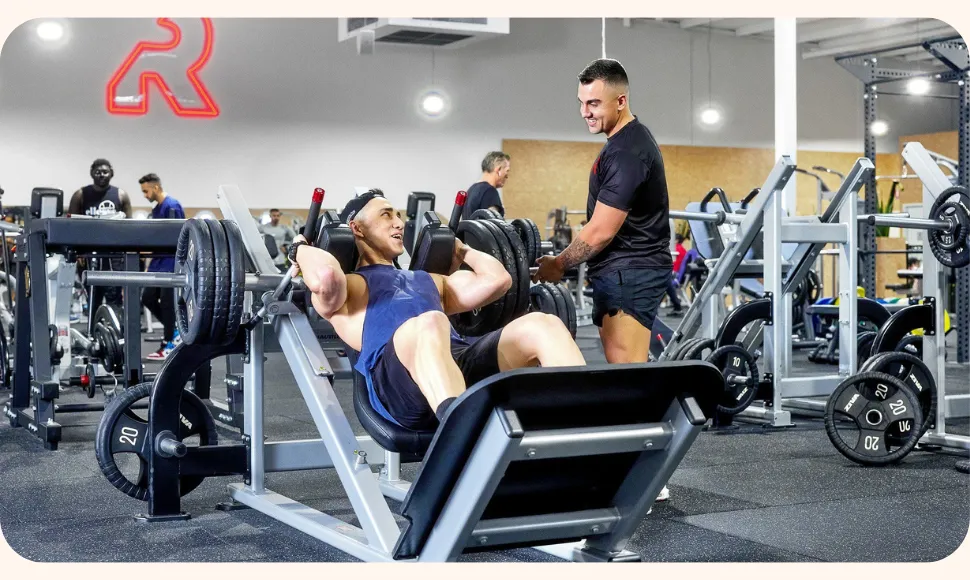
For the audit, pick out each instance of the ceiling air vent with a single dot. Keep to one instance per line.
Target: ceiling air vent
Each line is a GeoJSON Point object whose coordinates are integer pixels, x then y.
{"type": "Point", "coordinates": [437, 32]}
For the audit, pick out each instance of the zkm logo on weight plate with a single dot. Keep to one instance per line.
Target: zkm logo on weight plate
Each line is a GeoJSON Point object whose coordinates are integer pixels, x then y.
{"type": "Point", "coordinates": [172, 66]}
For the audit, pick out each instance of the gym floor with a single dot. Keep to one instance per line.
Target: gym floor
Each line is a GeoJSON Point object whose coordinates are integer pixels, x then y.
{"type": "Point", "coordinates": [749, 495]}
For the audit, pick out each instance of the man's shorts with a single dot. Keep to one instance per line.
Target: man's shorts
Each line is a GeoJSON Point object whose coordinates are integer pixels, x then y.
{"type": "Point", "coordinates": [637, 292]}
{"type": "Point", "coordinates": [402, 397]}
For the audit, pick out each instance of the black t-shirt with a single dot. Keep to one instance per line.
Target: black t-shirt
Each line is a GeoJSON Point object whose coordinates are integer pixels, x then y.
{"type": "Point", "coordinates": [629, 175]}
{"type": "Point", "coordinates": [481, 196]}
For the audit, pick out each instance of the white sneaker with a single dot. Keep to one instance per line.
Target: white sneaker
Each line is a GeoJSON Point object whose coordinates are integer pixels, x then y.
{"type": "Point", "coordinates": [664, 494]}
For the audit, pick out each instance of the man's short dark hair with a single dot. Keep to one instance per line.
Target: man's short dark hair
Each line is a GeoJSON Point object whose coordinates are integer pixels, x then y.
{"type": "Point", "coordinates": [493, 159]}
{"type": "Point", "coordinates": [276, 210]}
{"type": "Point", "coordinates": [608, 70]}
{"type": "Point", "coordinates": [150, 178]}
{"type": "Point", "coordinates": [99, 162]}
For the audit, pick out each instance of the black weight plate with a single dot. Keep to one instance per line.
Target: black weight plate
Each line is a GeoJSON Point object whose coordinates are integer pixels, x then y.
{"type": "Point", "coordinates": [734, 361]}
{"type": "Point", "coordinates": [914, 372]}
{"type": "Point", "coordinates": [528, 241]}
{"type": "Point", "coordinates": [570, 308]}
{"type": "Point", "coordinates": [537, 239]}
{"type": "Point", "coordinates": [486, 214]}
{"type": "Point", "coordinates": [122, 431]}
{"type": "Point", "coordinates": [478, 322]}
{"type": "Point", "coordinates": [911, 343]}
{"type": "Point", "coordinates": [560, 301]}
{"type": "Point", "coordinates": [867, 407]}
{"type": "Point", "coordinates": [864, 345]}
{"type": "Point", "coordinates": [223, 279]}
{"type": "Point", "coordinates": [542, 300]}
{"type": "Point", "coordinates": [193, 258]}
{"type": "Point", "coordinates": [508, 260]}
{"type": "Point", "coordinates": [92, 385]}
{"type": "Point", "coordinates": [237, 284]}
{"type": "Point", "coordinates": [697, 349]}
{"type": "Point", "coordinates": [951, 249]}
{"type": "Point", "coordinates": [110, 316]}
{"type": "Point", "coordinates": [681, 348]}
{"type": "Point", "coordinates": [521, 269]}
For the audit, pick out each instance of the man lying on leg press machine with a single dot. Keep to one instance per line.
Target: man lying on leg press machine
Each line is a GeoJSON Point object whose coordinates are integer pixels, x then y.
{"type": "Point", "coordinates": [414, 362]}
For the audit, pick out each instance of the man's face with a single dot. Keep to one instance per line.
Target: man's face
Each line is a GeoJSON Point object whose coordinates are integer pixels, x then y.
{"type": "Point", "coordinates": [102, 175]}
{"type": "Point", "coordinates": [381, 228]}
{"type": "Point", "coordinates": [600, 105]}
{"type": "Point", "coordinates": [149, 190]}
{"type": "Point", "coordinates": [274, 217]}
{"type": "Point", "coordinates": [503, 173]}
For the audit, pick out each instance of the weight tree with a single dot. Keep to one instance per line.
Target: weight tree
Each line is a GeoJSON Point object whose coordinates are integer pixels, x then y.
{"type": "Point", "coordinates": [875, 70]}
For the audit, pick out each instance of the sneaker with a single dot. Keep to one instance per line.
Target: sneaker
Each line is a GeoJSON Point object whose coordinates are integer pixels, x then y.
{"type": "Point", "coordinates": [162, 353]}
{"type": "Point", "coordinates": [177, 338]}
{"type": "Point", "coordinates": [664, 494]}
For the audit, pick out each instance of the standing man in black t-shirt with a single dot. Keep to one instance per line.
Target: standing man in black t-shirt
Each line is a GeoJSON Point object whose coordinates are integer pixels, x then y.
{"type": "Point", "coordinates": [626, 242]}
{"type": "Point", "coordinates": [484, 194]}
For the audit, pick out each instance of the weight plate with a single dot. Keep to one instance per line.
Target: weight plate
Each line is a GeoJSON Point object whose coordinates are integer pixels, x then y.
{"type": "Point", "coordinates": [486, 214]}
{"type": "Point", "coordinates": [92, 379]}
{"type": "Point", "coordinates": [570, 309]}
{"type": "Point", "coordinates": [865, 415]}
{"type": "Point", "coordinates": [914, 372]}
{"type": "Point", "coordinates": [521, 268]}
{"type": "Point", "coordinates": [193, 258]}
{"type": "Point", "coordinates": [681, 348]}
{"type": "Point", "coordinates": [864, 345]}
{"type": "Point", "coordinates": [123, 432]}
{"type": "Point", "coordinates": [223, 280]}
{"type": "Point", "coordinates": [562, 311]}
{"type": "Point", "coordinates": [108, 315]}
{"type": "Point", "coordinates": [700, 350]}
{"type": "Point", "coordinates": [478, 322]}
{"type": "Point", "coordinates": [237, 284]}
{"type": "Point", "coordinates": [951, 248]}
{"type": "Point", "coordinates": [542, 300]}
{"type": "Point", "coordinates": [911, 343]}
{"type": "Point", "coordinates": [536, 238]}
{"type": "Point", "coordinates": [525, 233]}
{"type": "Point", "coordinates": [508, 260]}
{"type": "Point", "coordinates": [736, 364]}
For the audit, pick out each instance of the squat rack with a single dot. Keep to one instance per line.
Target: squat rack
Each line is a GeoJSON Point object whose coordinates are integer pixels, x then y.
{"type": "Point", "coordinates": [873, 72]}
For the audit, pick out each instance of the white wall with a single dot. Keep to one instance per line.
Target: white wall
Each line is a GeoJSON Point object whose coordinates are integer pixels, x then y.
{"type": "Point", "coordinates": [301, 110]}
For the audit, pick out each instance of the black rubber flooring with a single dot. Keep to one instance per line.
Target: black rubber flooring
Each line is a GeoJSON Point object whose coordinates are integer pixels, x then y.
{"type": "Point", "coordinates": [747, 495]}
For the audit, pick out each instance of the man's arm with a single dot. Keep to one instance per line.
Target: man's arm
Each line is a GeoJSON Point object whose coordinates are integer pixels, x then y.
{"type": "Point", "coordinates": [466, 290]}
{"type": "Point", "coordinates": [75, 207]}
{"type": "Point", "coordinates": [125, 202]}
{"type": "Point", "coordinates": [594, 236]}
{"type": "Point", "coordinates": [324, 278]}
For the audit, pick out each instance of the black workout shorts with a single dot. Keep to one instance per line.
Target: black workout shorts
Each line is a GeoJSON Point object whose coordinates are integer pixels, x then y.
{"type": "Point", "coordinates": [637, 292]}
{"type": "Point", "coordinates": [400, 394]}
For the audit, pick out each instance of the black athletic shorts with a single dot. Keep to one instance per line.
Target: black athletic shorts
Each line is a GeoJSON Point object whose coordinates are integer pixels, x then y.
{"type": "Point", "coordinates": [400, 394]}
{"type": "Point", "coordinates": [637, 292]}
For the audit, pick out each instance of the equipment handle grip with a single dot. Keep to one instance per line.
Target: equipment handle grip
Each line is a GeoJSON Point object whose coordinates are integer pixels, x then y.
{"type": "Point", "coordinates": [456, 211]}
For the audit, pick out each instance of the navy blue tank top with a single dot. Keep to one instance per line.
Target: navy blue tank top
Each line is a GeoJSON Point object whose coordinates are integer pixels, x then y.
{"type": "Point", "coordinates": [100, 203]}
{"type": "Point", "coordinates": [394, 297]}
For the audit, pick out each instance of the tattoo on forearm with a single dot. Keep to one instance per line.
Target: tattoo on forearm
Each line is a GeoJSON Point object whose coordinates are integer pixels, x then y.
{"type": "Point", "coordinates": [577, 253]}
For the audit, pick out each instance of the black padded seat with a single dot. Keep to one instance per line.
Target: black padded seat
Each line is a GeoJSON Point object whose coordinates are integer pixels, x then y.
{"type": "Point", "coordinates": [411, 444]}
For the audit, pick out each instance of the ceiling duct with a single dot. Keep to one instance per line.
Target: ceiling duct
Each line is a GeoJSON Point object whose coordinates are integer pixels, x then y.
{"type": "Point", "coordinates": [437, 32]}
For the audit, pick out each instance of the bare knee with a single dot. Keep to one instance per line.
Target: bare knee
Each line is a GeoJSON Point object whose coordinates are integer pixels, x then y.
{"type": "Point", "coordinates": [540, 322]}
{"type": "Point", "coordinates": [432, 324]}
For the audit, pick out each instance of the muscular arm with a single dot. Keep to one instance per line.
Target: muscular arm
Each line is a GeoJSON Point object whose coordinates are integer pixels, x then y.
{"type": "Point", "coordinates": [125, 202]}
{"type": "Point", "coordinates": [324, 278]}
{"type": "Point", "coordinates": [594, 237]}
{"type": "Point", "coordinates": [75, 207]}
{"type": "Point", "coordinates": [466, 290]}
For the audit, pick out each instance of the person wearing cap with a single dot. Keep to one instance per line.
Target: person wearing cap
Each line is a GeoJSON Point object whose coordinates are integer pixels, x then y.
{"type": "Point", "coordinates": [414, 362]}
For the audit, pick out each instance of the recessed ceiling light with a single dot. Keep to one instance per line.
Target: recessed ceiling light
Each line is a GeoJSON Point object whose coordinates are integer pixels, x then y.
{"type": "Point", "coordinates": [50, 31]}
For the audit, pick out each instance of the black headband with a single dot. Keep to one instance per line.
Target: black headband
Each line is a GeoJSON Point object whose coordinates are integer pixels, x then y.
{"type": "Point", "coordinates": [356, 204]}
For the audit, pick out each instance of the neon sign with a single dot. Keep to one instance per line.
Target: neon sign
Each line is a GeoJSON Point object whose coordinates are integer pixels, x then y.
{"type": "Point", "coordinates": [139, 106]}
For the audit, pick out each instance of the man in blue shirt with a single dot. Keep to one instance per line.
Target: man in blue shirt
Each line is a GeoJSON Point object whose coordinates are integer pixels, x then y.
{"type": "Point", "coordinates": [484, 194]}
{"type": "Point", "coordinates": [161, 301]}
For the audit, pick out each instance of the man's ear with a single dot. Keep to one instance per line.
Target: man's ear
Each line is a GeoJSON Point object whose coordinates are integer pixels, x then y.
{"type": "Point", "coordinates": [621, 101]}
